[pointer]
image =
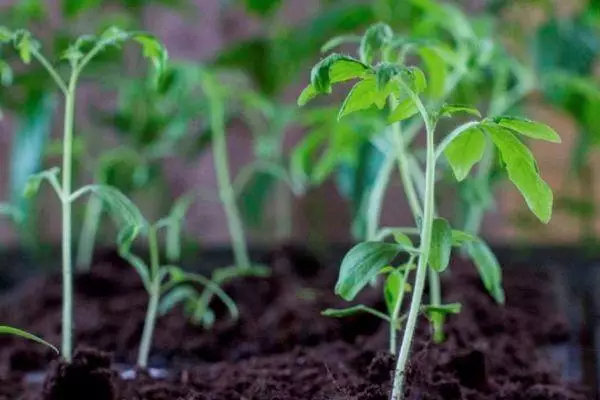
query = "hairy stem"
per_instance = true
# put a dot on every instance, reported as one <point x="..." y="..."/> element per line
<point x="67" y="268"/>
<point x="428" y="215"/>
<point x="234" y="221"/>
<point x="87" y="239"/>
<point x="151" y="312"/>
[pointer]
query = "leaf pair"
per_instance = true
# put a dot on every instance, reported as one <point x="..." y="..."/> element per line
<point x="464" y="151"/>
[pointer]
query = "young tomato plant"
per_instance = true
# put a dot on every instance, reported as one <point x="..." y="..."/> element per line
<point x="162" y="279"/>
<point x="78" y="55"/>
<point x="385" y="81"/>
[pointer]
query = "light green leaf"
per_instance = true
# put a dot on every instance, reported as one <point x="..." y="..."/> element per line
<point x="488" y="267"/>
<point x="123" y="210"/>
<point x="526" y="127"/>
<point x="459" y="238"/>
<point x="448" y="110"/>
<point x="25" y="44"/>
<point x="375" y="39"/>
<point x="441" y="244"/>
<point x="175" y="296"/>
<point x="393" y="289"/>
<point x="523" y="172"/>
<point x="465" y="151"/>
<point x="452" y="308"/>
<point x="153" y="50"/>
<point x="436" y="71"/>
<point x="402" y="238"/>
<point x="406" y="109"/>
<point x="418" y="82"/>
<point x="336" y="68"/>
<point x="362" y="263"/>
<point x="6" y="35"/>
<point x="141" y="268"/>
<point x="33" y="183"/>
<point x="7" y="330"/>
<point x="338" y="41"/>
<point x="362" y="96"/>
<point x="307" y="95"/>
<point x="354" y="310"/>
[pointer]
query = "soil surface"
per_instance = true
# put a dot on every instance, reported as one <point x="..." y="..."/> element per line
<point x="282" y="348"/>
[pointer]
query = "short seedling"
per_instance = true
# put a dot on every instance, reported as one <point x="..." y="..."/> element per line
<point x="384" y="78"/>
<point x="78" y="56"/>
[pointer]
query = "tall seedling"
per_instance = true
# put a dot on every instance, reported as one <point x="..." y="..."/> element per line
<point x="385" y="79"/>
<point x="78" y="55"/>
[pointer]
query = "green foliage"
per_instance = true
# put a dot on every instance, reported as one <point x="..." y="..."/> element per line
<point x="441" y="244"/>
<point x="465" y="151"/>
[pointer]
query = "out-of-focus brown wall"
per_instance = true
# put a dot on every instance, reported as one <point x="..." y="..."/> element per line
<point x="323" y="215"/>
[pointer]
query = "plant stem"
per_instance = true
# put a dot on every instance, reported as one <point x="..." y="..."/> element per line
<point x="403" y="166"/>
<point x="234" y="222"/>
<point x="376" y="197"/>
<point x="151" y="312"/>
<point x="67" y="268"/>
<point x="89" y="230"/>
<point x="428" y="215"/>
<point x="435" y="299"/>
<point x="396" y="313"/>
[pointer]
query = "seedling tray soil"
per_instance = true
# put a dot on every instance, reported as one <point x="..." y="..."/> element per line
<point x="282" y="348"/>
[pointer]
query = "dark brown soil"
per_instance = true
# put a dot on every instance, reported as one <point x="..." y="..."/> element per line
<point x="282" y="348"/>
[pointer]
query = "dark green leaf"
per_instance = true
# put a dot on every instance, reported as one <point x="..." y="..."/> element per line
<point x="488" y="267"/>
<point x="532" y="129"/>
<point x="441" y="244"/>
<point x="385" y="72"/>
<point x="7" y="330"/>
<point x="362" y="263"/>
<point x="523" y="172"/>
<point x="72" y="8"/>
<point x="262" y="8"/>
<point x="465" y="151"/>
<point x="375" y="39"/>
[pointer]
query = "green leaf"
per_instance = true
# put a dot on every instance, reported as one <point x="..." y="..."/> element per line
<point x="153" y="50"/>
<point x="523" y="172"/>
<point x="448" y="110"/>
<point x="459" y="238"/>
<point x="362" y="96"/>
<point x="436" y="71"/>
<point x="385" y="72"/>
<point x="354" y="310"/>
<point x="307" y="95"/>
<point x="488" y="267"/>
<point x="175" y="296"/>
<point x="208" y="319"/>
<point x="73" y="8"/>
<point x="465" y="151"/>
<point x="126" y="237"/>
<point x="392" y="289"/>
<point x="361" y="264"/>
<point x="338" y="41"/>
<point x="303" y="157"/>
<point x="526" y="127"/>
<point x="25" y="45"/>
<point x="6" y="35"/>
<point x="262" y="8"/>
<point x="141" y="268"/>
<point x="406" y="109"/>
<point x="375" y="39"/>
<point x="336" y="68"/>
<point x="32" y="186"/>
<point x="7" y="330"/>
<point x="402" y="238"/>
<point x="441" y="244"/>
<point x="452" y="308"/>
<point x="124" y="211"/>
<point x="26" y="154"/>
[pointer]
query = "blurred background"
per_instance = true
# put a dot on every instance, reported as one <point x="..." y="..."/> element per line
<point x="155" y="145"/>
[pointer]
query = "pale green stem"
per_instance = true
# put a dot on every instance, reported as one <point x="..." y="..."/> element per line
<point x="151" y="312"/>
<point x="435" y="299"/>
<point x="226" y="193"/>
<point x="67" y="268"/>
<point x="396" y="312"/>
<point x="403" y="166"/>
<point x="376" y="197"/>
<point x="87" y="239"/>
<point x="428" y="216"/>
